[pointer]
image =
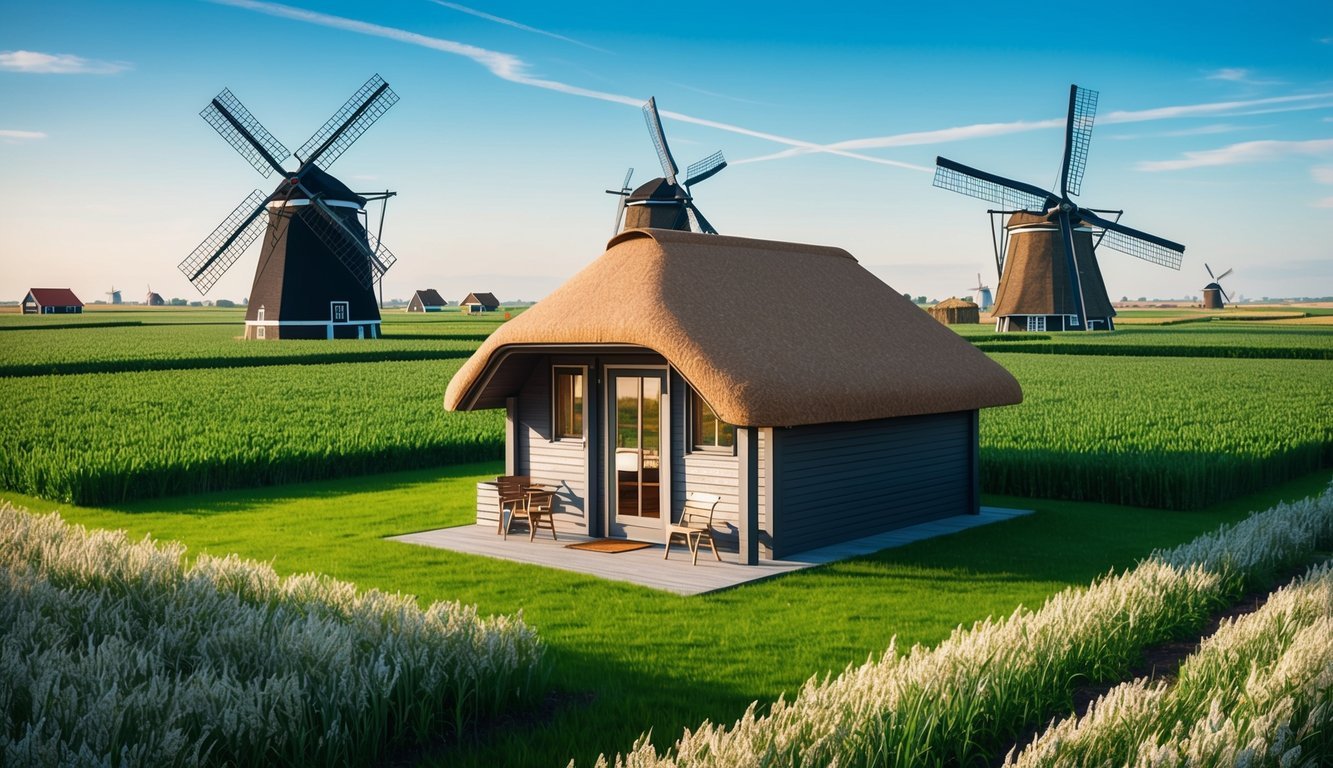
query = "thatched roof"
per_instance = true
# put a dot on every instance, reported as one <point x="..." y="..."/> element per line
<point x="955" y="303"/>
<point x="484" y="299"/>
<point x="734" y="317"/>
<point x="431" y="298"/>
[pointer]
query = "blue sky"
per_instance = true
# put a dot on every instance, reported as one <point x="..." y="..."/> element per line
<point x="1214" y="129"/>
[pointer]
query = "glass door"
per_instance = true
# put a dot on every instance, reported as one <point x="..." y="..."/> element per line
<point x="636" y="444"/>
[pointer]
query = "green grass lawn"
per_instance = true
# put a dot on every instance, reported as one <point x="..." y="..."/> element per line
<point x="625" y="658"/>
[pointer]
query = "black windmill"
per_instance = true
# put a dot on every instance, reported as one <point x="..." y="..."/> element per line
<point x="318" y="263"/>
<point x="1214" y="295"/>
<point x="1049" y="278"/>
<point x="665" y="202"/>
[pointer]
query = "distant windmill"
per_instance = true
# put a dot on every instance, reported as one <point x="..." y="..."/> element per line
<point x="318" y="263"/>
<point x="1214" y="297"/>
<point x="1049" y="279"/>
<point x="664" y="203"/>
<point x="113" y="295"/>
<point x="153" y="299"/>
<point x="982" y="292"/>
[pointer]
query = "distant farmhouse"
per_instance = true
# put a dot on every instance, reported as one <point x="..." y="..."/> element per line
<point x="428" y="300"/>
<point x="51" y="301"/>
<point x="480" y="302"/>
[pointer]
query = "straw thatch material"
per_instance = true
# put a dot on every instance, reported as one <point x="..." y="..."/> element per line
<point x="951" y="311"/>
<point x="735" y="318"/>
<point x="1036" y="274"/>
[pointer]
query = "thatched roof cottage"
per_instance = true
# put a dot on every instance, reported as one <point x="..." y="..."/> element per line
<point x="680" y="362"/>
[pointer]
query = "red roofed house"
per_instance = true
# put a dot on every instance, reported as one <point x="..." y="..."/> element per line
<point x="51" y="301"/>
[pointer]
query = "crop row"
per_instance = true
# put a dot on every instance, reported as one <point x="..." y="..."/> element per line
<point x="113" y="437"/>
<point x="1259" y="691"/>
<point x="1156" y="432"/>
<point x="962" y="701"/>
<point x="117" y="653"/>
<point x="103" y="349"/>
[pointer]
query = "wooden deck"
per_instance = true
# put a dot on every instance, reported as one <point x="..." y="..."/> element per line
<point x="646" y="567"/>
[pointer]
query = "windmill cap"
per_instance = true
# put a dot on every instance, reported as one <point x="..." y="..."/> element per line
<point x="319" y="182"/>
<point x="657" y="190"/>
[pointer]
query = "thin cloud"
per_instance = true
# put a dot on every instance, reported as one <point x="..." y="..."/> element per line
<point x="1326" y="202"/>
<point x="988" y="130"/>
<point x="1245" y="152"/>
<point x="1239" y="75"/>
<point x="34" y="62"/>
<point x="515" y="70"/>
<point x="516" y="25"/>
<point x="1322" y="174"/>
<point x="18" y="137"/>
<point x="1203" y="130"/>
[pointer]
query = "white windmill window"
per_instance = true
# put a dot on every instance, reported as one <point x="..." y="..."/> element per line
<point x="260" y="315"/>
<point x="1073" y="321"/>
<point x="259" y="331"/>
<point x="1036" y="322"/>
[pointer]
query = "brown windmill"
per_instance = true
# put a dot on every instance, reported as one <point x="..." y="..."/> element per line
<point x="1049" y="277"/>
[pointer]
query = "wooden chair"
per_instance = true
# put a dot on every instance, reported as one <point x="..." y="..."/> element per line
<point x="695" y="526"/>
<point x="513" y="499"/>
<point x="540" y="510"/>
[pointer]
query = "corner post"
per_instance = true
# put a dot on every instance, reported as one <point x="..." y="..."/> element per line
<point x="511" y="435"/>
<point x="747" y="499"/>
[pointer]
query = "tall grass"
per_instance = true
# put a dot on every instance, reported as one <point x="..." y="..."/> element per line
<point x="1258" y="692"/>
<point x="958" y="703"/>
<point x="119" y="653"/>
<point x="107" y="438"/>
<point x="1156" y="432"/>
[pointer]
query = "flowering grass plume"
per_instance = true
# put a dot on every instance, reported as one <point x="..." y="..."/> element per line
<point x="118" y="653"/>
<point x="960" y="702"/>
<point x="1258" y="692"/>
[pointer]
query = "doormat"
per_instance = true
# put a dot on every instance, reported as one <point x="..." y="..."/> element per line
<point x="609" y="545"/>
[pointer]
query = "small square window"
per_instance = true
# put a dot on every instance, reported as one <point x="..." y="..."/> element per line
<point x="707" y="431"/>
<point x="568" y="403"/>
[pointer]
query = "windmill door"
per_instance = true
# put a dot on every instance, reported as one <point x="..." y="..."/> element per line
<point x="338" y="311"/>
<point x="637" y="410"/>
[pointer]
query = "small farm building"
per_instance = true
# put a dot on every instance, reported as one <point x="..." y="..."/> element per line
<point x="428" y="300"/>
<point x="715" y="374"/>
<point x="51" y="301"/>
<point x="480" y="302"/>
<point x="951" y="311"/>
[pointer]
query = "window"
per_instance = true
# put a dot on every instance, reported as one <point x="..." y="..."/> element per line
<point x="1036" y="322"/>
<point x="1073" y="321"/>
<point x="707" y="431"/>
<point x="568" y="403"/>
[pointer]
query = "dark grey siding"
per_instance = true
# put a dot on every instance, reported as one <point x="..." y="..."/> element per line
<point x="554" y="462"/>
<point x="701" y="472"/>
<point x="835" y="482"/>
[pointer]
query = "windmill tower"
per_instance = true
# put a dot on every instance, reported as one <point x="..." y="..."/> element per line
<point x="113" y="295"/>
<point x="1049" y="278"/>
<point x="982" y="292"/>
<point x="1214" y="297"/>
<point x="665" y="203"/>
<point x="318" y="263"/>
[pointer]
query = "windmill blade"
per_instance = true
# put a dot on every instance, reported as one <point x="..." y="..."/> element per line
<point x="1210" y="272"/>
<point x="244" y="133"/>
<point x="347" y="124"/>
<point x="959" y="178"/>
<point x="620" y="215"/>
<point x="624" y="185"/>
<point x="1225" y="297"/>
<point x="1078" y="135"/>
<point x="1140" y="245"/>
<point x="224" y="246"/>
<point x="651" y="117"/>
<point x="698" y="218"/>
<point x="1224" y="274"/>
<point x="367" y="259"/>
<point x="705" y="168"/>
